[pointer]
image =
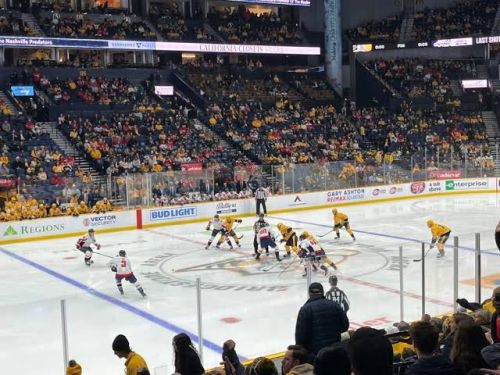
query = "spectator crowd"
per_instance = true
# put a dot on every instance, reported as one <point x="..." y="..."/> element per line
<point x="463" y="343"/>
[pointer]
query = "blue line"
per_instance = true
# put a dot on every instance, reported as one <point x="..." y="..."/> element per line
<point x="386" y="235"/>
<point x="115" y="301"/>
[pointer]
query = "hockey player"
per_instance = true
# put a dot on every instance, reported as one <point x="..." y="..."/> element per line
<point x="217" y="228"/>
<point x="123" y="269"/>
<point x="312" y="249"/>
<point x="84" y="244"/>
<point x="335" y="294"/>
<point x="289" y="238"/>
<point x="256" y="227"/>
<point x="229" y="231"/>
<point x="266" y="240"/>
<point x="341" y="220"/>
<point x="440" y="234"/>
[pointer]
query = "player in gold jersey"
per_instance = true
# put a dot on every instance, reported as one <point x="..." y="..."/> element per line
<point x="228" y="226"/>
<point x="289" y="238"/>
<point x="440" y="234"/>
<point x="341" y="220"/>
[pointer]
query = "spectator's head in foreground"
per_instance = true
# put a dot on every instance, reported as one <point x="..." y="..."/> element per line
<point x="371" y="352"/>
<point x="332" y="360"/>
<point x="261" y="366"/>
<point x="121" y="346"/>
<point x="425" y="337"/>
<point x="294" y="356"/>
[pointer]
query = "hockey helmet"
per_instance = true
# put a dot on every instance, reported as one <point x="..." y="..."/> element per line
<point x="304" y="235"/>
<point x="333" y="280"/>
<point x="122" y="253"/>
<point x="279" y="225"/>
<point x="430" y="223"/>
<point x="261" y="216"/>
<point x="217" y="216"/>
<point x="334" y="211"/>
<point x="91" y="230"/>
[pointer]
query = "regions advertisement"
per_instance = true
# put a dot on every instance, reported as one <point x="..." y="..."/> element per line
<point x="345" y="195"/>
<point x="172" y="213"/>
<point x="65" y="225"/>
<point x="31" y="229"/>
<point x="472" y="184"/>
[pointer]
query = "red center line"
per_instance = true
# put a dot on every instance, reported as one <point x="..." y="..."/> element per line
<point x="387" y="289"/>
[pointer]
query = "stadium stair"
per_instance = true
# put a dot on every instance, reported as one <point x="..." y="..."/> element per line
<point x="33" y="24"/>
<point x="3" y="97"/>
<point x="456" y="88"/>
<point x="493" y="132"/>
<point x="495" y="30"/>
<point x="68" y="149"/>
<point x="154" y="29"/>
<point x="210" y="30"/>
<point x="406" y="28"/>
<point x="482" y="71"/>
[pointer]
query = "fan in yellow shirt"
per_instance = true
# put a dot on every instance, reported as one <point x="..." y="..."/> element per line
<point x="54" y="210"/>
<point x="134" y="364"/>
<point x="440" y="234"/>
<point x="73" y="368"/>
<point x="82" y="208"/>
<point x="341" y="220"/>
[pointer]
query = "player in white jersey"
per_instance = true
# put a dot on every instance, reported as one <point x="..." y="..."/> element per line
<point x="267" y="239"/>
<point x="217" y="226"/>
<point x="84" y="244"/>
<point x="120" y="264"/>
<point x="311" y="250"/>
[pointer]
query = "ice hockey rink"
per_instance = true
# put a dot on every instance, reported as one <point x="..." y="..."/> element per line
<point x="240" y="300"/>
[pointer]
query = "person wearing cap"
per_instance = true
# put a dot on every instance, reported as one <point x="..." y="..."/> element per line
<point x="134" y="364"/>
<point x="320" y="321"/>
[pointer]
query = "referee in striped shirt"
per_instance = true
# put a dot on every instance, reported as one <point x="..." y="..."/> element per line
<point x="260" y="200"/>
<point x="337" y="295"/>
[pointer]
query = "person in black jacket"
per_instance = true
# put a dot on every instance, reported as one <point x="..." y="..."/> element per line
<point x="320" y="321"/>
<point x="187" y="361"/>
<point x="425" y="340"/>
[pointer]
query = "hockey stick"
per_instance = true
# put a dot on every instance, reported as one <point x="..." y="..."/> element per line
<point x="421" y="259"/>
<point x="266" y="269"/>
<point x="288" y="266"/>
<point x="323" y="235"/>
<point x="101" y="254"/>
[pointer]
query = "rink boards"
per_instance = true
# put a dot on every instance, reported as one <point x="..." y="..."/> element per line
<point x="65" y="226"/>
